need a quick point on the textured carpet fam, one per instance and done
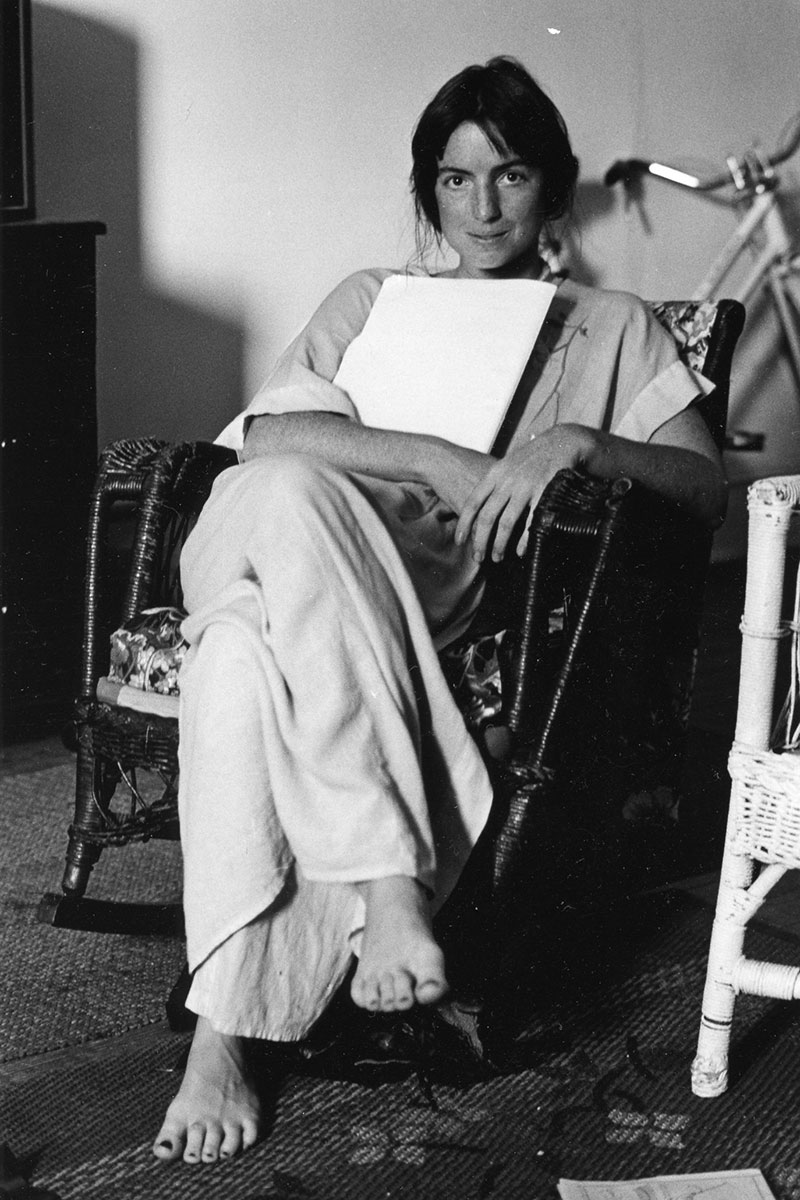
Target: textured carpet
(600, 1090)
(603, 1009)
(59, 987)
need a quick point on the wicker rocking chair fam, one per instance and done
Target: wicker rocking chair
(599, 621)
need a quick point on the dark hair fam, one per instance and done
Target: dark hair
(514, 113)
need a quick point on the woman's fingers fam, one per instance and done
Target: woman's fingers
(507, 522)
(490, 517)
(493, 508)
(485, 523)
(472, 506)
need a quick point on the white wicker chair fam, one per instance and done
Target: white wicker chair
(763, 833)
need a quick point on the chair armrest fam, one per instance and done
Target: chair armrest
(169, 484)
(622, 554)
(121, 477)
(177, 486)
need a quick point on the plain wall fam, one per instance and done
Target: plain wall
(245, 155)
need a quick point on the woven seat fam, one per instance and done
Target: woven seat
(763, 832)
(596, 629)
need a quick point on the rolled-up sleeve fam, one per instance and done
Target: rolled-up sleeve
(675, 388)
(301, 380)
(653, 384)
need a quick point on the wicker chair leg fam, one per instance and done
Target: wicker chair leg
(710, 1066)
(84, 850)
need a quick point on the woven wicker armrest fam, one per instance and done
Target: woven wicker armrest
(169, 484)
(587, 530)
(628, 568)
(122, 475)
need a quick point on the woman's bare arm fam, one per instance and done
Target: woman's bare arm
(452, 471)
(681, 463)
(490, 495)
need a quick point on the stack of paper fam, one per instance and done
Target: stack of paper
(444, 356)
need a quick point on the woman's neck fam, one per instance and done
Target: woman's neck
(536, 268)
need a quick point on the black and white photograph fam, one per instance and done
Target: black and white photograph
(399, 600)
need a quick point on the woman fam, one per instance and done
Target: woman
(329, 793)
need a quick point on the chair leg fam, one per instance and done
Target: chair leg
(96, 781)
(92, 781)
(710, 1066)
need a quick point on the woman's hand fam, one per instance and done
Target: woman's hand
(454, 472)
(515, 483)
(680, 462)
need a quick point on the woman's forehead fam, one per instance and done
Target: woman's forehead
(475, 142)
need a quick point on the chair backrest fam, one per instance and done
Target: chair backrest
(706, 332)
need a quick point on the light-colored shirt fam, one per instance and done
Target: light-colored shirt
(601, 360)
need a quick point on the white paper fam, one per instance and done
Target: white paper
(715, 1185)
(444, 356)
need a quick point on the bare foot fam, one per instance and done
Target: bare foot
(400, 962)
(216, 1113)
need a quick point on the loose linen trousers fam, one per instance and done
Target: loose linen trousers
(320, 745)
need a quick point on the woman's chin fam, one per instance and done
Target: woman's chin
(500, 261)
(499, 268)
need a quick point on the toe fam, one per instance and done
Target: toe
(168, 1149)
(386, 992)
(194, 1142)
(402, 993)
(232, 1142)
(169, 1144)
(365, 993)
(212, 1143)
(250, 1133)
(240, 1137)
(429, 991)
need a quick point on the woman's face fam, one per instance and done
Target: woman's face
(489, 208)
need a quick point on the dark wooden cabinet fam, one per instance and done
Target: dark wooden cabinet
(48, 455)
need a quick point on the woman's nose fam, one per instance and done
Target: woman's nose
(486, 202)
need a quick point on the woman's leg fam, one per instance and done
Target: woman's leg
(273, 977)
(344, 658)
(363, 716)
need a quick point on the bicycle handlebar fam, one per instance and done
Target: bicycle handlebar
(752, 165)
(628, 171)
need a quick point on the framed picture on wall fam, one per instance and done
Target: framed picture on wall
(16, 135)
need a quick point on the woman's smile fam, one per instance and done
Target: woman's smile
(489, 207)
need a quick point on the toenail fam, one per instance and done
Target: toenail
(166, 1145)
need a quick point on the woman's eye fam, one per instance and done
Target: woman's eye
(453, 181)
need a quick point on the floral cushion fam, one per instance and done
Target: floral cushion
(690, 323)
(147, 652)
(473, 671)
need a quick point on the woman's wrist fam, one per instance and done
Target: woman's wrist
(578, 445)
(591, 445)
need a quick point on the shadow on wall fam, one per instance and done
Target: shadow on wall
(593, 202)
(165, 368)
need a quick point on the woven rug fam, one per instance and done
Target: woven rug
(600, 1090)
(597, 1020)
(49, 993)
